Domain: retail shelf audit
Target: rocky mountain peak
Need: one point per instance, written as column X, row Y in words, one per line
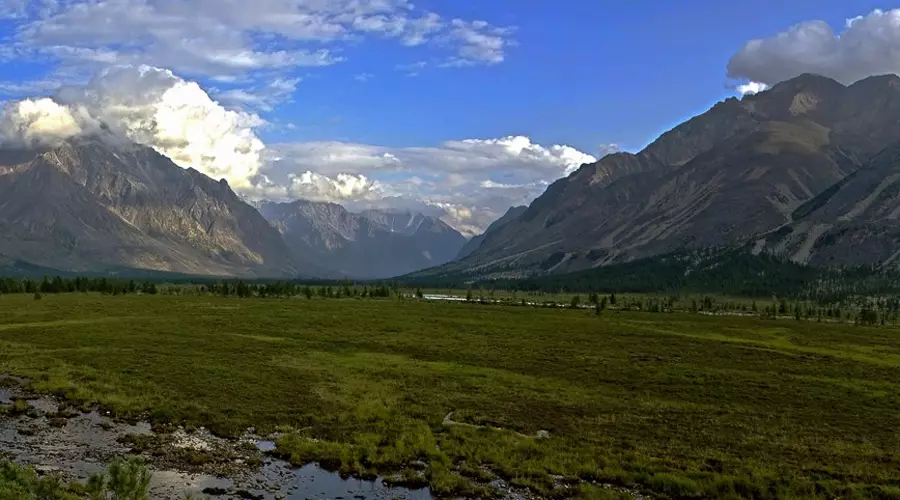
column 743, row 168
column 368, row 244
column 112, row 205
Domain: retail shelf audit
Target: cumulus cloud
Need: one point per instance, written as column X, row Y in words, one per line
column 867, row 45
column 217, row 38
column 41, row 122
column 471, row 182
column 149, row 106
column 313, row 186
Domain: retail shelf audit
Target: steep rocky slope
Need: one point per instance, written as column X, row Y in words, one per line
column 475, row 241
column 93, row 204
column 735, row 172
column 856, row 221
column 371, row 244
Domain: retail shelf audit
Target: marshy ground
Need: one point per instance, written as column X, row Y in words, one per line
column 562, row 402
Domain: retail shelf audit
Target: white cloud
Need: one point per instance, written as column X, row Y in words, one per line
column 343, row 186
column 40, row 122
column 150, row 106
column 868, row 45
column 412, row 69
column 13, row 9
column 363, row 77
column 608, row 149
column 261, row 98
column 218, row 38
column 480, row 178
column 470, row 182
column 751, row 88
column 43, row 86
column 480, row 43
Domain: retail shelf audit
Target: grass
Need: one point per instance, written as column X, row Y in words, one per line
column 681, row 405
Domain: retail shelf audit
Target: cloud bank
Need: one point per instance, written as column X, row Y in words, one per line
column 149, row 106
column 229, row 38
column 868, row 45
column 470, row 182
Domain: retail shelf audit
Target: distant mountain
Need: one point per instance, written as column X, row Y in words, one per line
column 476, row 241
column 370, row 244
column 743, row 169
column 92, row 204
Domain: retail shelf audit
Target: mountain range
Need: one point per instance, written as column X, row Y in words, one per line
column 91, row 205
column 100, row 205
column 369, row 244
column 808, row 170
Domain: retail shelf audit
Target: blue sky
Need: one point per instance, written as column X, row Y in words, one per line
column 459, row 107
column 583, row 73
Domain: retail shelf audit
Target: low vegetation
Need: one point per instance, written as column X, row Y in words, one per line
column 125, row 480
column 561, row 401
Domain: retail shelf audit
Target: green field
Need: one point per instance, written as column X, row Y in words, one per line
column 680, row 405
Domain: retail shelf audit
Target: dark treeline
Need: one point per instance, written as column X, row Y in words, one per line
column 77, row 284
column 225, row 288
column 291, row 289
column 734, row 272
column 719, row 272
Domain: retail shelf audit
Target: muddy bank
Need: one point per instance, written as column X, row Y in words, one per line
column 55, row 437
column 41, row 432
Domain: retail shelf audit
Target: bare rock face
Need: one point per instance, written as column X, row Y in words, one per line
column 95, row 205
column 371, row 244
column 732, row 175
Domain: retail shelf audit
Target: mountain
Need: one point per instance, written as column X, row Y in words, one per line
column 740, row 170
column 855, row 222
column 370, row 244
column 93, row 204
column 476, row 240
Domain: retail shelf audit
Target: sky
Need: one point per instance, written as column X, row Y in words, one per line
column 457, row 108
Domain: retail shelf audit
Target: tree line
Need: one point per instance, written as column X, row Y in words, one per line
column 78, row 284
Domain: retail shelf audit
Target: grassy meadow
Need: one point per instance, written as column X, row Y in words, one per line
column 677, row 405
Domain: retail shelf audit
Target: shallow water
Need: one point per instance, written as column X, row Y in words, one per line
column 85, row 444
column 313, row 482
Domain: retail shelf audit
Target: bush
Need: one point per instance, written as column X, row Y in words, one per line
column 125, row 480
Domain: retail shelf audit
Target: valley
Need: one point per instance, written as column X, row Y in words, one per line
column 461, row 397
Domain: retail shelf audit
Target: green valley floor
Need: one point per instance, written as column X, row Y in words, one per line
column 560, row 401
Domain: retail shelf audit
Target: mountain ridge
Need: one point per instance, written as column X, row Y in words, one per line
column 90, row 203
column 739, row 170
column 367, row 244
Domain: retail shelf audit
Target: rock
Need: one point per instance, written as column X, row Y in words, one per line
column 57, row 422
column 215, row 491
column 542, row 434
